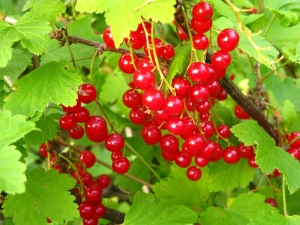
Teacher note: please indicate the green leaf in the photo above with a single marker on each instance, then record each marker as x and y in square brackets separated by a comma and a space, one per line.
[56, 81]
[18, 63]
[147, 209]
[238, 212]
[269, 156]
[13, 127]
[223, 9]
[179, 63]
[178, 189]
[48, 126]
[46, 195]
[7, 37]
[291, 56]
[50, 9]
[287, 11]
[91, 6]
[288, 113]
[12, 171]
[223, 177]
[268, 52]
[274, 218]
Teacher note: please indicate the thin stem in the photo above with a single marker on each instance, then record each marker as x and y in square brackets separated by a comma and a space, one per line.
[92, 65]
[70, 50]
[284, 197]
[76, 149]
[269, 25]
[143, 160]
[271, 72]
[105, 115]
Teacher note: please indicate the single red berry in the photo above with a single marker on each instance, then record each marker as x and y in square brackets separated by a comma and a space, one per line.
[77, 132]
[121, 165]
[203, 107]
[183, 160]
[58, 168]
[132, 99]
[189, 127]
[182, 34]
[67, 122]
[201, 27]
[90, 221]
[228, 39]
[169, 143]
[200, 41]
[252, 162]
[241, 113]
[169, 156]
[208, 128]
[167, 51]
[151, 134]
[148, 49]
[126, 64]
[202, 11]
[254, 10]
[195, 143]
[224, 131]
[96, 128]
[116, 155]
[294, 152]
[136, 40]
[100, 210]
[189, 104]
[86, 178]
[222, 95]
[199, 93]
[198, 72]
[143, 79]
[205, 116]
[231, 155]
[103, 180]
[246, 151]
[219, 73]
[108, 38]
[201, 161]
[294, 139]
[88, 158]
[71, 109]
[146, 63]
[213, 88]
[271, 201]
[81, 114]
[175, 125]
[87, 93]
[153, 99]
[218, 153]
[209, 149]
[221, 60]
[86, 209]
[174, 105]
[43, 150]
[193, 173]
[114, 142]
[181, 85]
[137, 116]
[93, 193]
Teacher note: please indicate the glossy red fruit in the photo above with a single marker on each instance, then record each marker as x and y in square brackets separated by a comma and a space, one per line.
[181, 85]
[116, 155]
[241, 113]
[90, 221]
[193, 173]
[114, 142]
[137, 116]
[169, 143]
[201, 161]
[213, 88]
[77, 132]
[96, 128]
[222, 95]
[157, 44]
[121, 165]
[87, 178]
[174, 105]
[228, 39]
[294, 139]
[218, 153]
[252, 162]
[103, 180]
[224, 131]
[201, 27]
[108, 38]
[183, 160]
[43, 150]
[175, 125]
[221, 60]
[202, 11]
[86, 209]
[189, 127]
[71, 109]
[126, 64]
[151, 134]
[136, 40]
[132, 99]
[294, 152]
[169, 156]
[81, 114]
[198, 72]
[271, 201]
[231, 155]
[195, 143]
[246, 151]
[208, 128]
[203, 107]
[87, 93]
[93, 193]
[100, 210]
[143, 79]
[200, 41]
[88, 158]
[199, 93]
[189, 104]
[167, 51]
[182, 34]
[153, 99]
[67, 122]
[146, 63]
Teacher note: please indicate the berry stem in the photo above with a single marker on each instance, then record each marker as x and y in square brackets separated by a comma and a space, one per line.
[65, 38]
[269, 25]
[76, 149]
[143, 160]
[284, 197]
[92, 65]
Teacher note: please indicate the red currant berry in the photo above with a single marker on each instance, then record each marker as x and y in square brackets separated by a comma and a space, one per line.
[146, 63]
[201, 27]
[143, 79]
[167, 51]
[202, 11]
[137, 116]
[193, 173]
[43, 150]
[126, 64]
[231, 155]
[222, 95]
[81, 114]
[246, 151]
[271, 201]
[221, 60]
[241, 113]
[201, 161]
[151, 134]
[294, 152]
[252, 163]
[169, 156]
[87, 93]
[218, 154]
[114, 142]
[189, 127]
[116, 155]
[108, 38]
[182, 34]
[77, 132]
[210, 149]
[136, 40]
[181, 85]
[103, 180]
[96, 128]
[121, 165]
[175, 125]
[87, 178]
[88, 158]
[90, 221]
[228, 39]
[183, 160]
[195, 143]
[200, 41]
[100, 210]
[213, 88]
[208, 128]
[86, 209]
[174, 105]
[189, 104]
[71, 109]
[93, 193]
[67, 122]
[198, 72]
[153, 99]
[169, 143]
[294, 139]
[203, 107]
[199, 93]
[224, 131]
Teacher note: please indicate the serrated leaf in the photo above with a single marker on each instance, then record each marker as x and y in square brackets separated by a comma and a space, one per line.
[268, 53]
[56, 81]
[269, 156]
[179, 63]
[239, 211]
[223, 9]
[147, 209]
[178, 189]
[50, 9]
[48, 126]
[288, 113]
[18, 63]
[91, 6]
[13, 127]
[274, 218]
[287, 11]
[12, 171]
[7, 37]
[46, 196]
[291, 56]
[223, 177]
